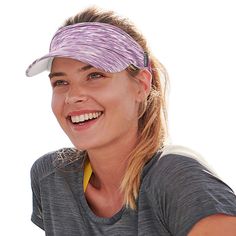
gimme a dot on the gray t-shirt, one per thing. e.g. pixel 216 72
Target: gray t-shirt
pixel 176 191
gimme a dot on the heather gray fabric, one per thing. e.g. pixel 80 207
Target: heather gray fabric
pixel 176 192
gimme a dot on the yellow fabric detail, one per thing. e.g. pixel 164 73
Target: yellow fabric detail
pixel 87 174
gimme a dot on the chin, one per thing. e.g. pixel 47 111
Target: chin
pixel 86 145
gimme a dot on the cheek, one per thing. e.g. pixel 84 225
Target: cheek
pixel 57 104
pixel 122 105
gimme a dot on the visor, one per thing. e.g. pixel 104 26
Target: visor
pixel 100 45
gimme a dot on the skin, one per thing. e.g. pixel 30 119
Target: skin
pixel 94 90
pixel 215 225
pixel 114 134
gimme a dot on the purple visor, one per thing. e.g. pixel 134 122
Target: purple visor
pixel 100 45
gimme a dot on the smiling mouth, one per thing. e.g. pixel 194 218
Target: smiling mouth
pixel 81 119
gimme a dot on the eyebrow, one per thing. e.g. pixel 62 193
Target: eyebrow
pixel 54 74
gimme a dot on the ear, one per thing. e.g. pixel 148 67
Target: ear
pixel 144 79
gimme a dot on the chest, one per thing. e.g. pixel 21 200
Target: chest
pixel 66 212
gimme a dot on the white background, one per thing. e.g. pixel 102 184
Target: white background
pixel 195 40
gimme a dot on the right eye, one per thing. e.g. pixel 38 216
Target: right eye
pixel 59 83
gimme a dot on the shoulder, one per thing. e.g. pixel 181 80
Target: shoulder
pixel 179 166
pixel 50 162
pixel 181 154
pixel 43 166
pixel 174 158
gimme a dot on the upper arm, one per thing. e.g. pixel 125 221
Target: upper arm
pixel 41 168
pixel 216 225
pixel 36 216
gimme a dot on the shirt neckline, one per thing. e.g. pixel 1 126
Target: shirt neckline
pixel 82 199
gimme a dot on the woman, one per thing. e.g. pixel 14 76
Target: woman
pixel 120 179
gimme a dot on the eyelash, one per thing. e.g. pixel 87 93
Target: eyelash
pixel 97 75
pixel 91 76
pixel 59 83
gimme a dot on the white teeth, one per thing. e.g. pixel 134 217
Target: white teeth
pixel 81 118
pixel 84 117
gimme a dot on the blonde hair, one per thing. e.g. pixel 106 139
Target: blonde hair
pixel 152 125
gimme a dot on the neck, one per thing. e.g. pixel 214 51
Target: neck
pixel 109 164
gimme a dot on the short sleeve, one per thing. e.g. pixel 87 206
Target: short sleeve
pixel 188 192
pixel 37 216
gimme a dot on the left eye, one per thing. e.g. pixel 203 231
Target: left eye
pixel 95 75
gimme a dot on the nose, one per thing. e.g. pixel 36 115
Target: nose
pixel 75 95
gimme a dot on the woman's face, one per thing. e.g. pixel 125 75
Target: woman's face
pixel 96 109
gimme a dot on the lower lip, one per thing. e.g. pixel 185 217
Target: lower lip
pixel 86 125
